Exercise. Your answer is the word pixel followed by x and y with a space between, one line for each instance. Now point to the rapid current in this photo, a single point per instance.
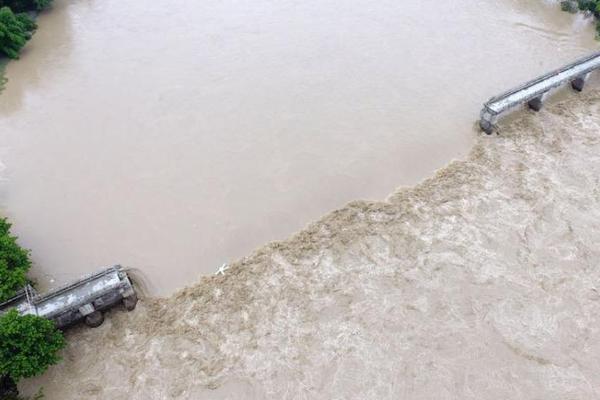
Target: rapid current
pixel 174 136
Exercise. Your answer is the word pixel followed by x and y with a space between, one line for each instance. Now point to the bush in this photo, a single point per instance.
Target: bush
pixel 569 6
pixel 14 263
pixel 588 6
pixel 25 5
pixel 28 345
pixel 15 31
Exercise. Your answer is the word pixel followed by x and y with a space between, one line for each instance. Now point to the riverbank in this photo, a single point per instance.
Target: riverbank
pixel 481 282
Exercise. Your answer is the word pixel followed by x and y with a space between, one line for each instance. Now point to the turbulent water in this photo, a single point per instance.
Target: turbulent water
pixel 173 136
pixel 479 283
pixel 172 141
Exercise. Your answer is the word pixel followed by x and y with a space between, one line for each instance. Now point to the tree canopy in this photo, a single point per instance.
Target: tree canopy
pixel 25 5
pixel 589 6
pixel 28 345
pixel 15 31
pixel 16 27
pixel 14 262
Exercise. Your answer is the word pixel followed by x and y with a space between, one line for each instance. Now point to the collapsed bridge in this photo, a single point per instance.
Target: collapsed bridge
pixel 85 299
pixel 534 91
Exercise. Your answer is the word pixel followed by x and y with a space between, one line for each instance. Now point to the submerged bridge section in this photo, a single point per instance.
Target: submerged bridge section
pixel 533 92
pixel 84 299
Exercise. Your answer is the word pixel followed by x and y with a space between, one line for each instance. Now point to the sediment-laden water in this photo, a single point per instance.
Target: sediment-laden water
pixel 481 282
pixel 174 136
pixel 171 141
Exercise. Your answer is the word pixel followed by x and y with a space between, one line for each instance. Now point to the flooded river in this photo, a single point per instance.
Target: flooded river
pixel 174 136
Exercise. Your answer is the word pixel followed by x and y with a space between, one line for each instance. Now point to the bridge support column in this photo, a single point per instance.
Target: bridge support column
pixel 487 120
pixel 486 126
pixel 94 319
pixel 537 103
pixel 578 83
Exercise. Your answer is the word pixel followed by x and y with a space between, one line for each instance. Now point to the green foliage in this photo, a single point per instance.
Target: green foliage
pixel 28 345
pixel 3 79
pixel 592 6
pixel 571 6
pixel 588 6
pixel 15 31
pixel 25 5
pixel 14 263
pixel 41 4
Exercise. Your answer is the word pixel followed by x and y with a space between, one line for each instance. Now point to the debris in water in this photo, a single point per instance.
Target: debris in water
pixel 222 269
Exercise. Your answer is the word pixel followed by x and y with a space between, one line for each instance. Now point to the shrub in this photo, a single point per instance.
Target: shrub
pixel 588 6
pixel 569 6
pixel 14 263
pixel 28 345
pixel 15 31
pixel 25 5
pixel 41 4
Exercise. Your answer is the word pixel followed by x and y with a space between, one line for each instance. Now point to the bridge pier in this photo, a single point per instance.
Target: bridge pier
pixel 486 126
pixel 578 83
pixel 487 120
pixel 536 103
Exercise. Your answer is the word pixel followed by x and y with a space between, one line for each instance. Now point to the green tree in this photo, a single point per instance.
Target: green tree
pixel 588 6
pixel 15 31
pixel 569 6
pixel 25 5
pixel 14 262
pixel 28 345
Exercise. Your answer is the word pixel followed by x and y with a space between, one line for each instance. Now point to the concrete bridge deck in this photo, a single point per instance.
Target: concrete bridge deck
pixel 83 299
pixel 534 91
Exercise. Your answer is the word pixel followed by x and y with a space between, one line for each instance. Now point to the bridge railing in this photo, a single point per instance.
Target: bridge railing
pixel 534 91
pixel 83 299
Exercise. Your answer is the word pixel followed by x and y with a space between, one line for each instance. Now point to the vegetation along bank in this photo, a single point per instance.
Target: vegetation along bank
pixel 28 344
pixel 588 6
pixel 17 24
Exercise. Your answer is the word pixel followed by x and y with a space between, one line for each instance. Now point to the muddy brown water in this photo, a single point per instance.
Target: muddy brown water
pixel 173 141
pixel 173 137
pixel 480 283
